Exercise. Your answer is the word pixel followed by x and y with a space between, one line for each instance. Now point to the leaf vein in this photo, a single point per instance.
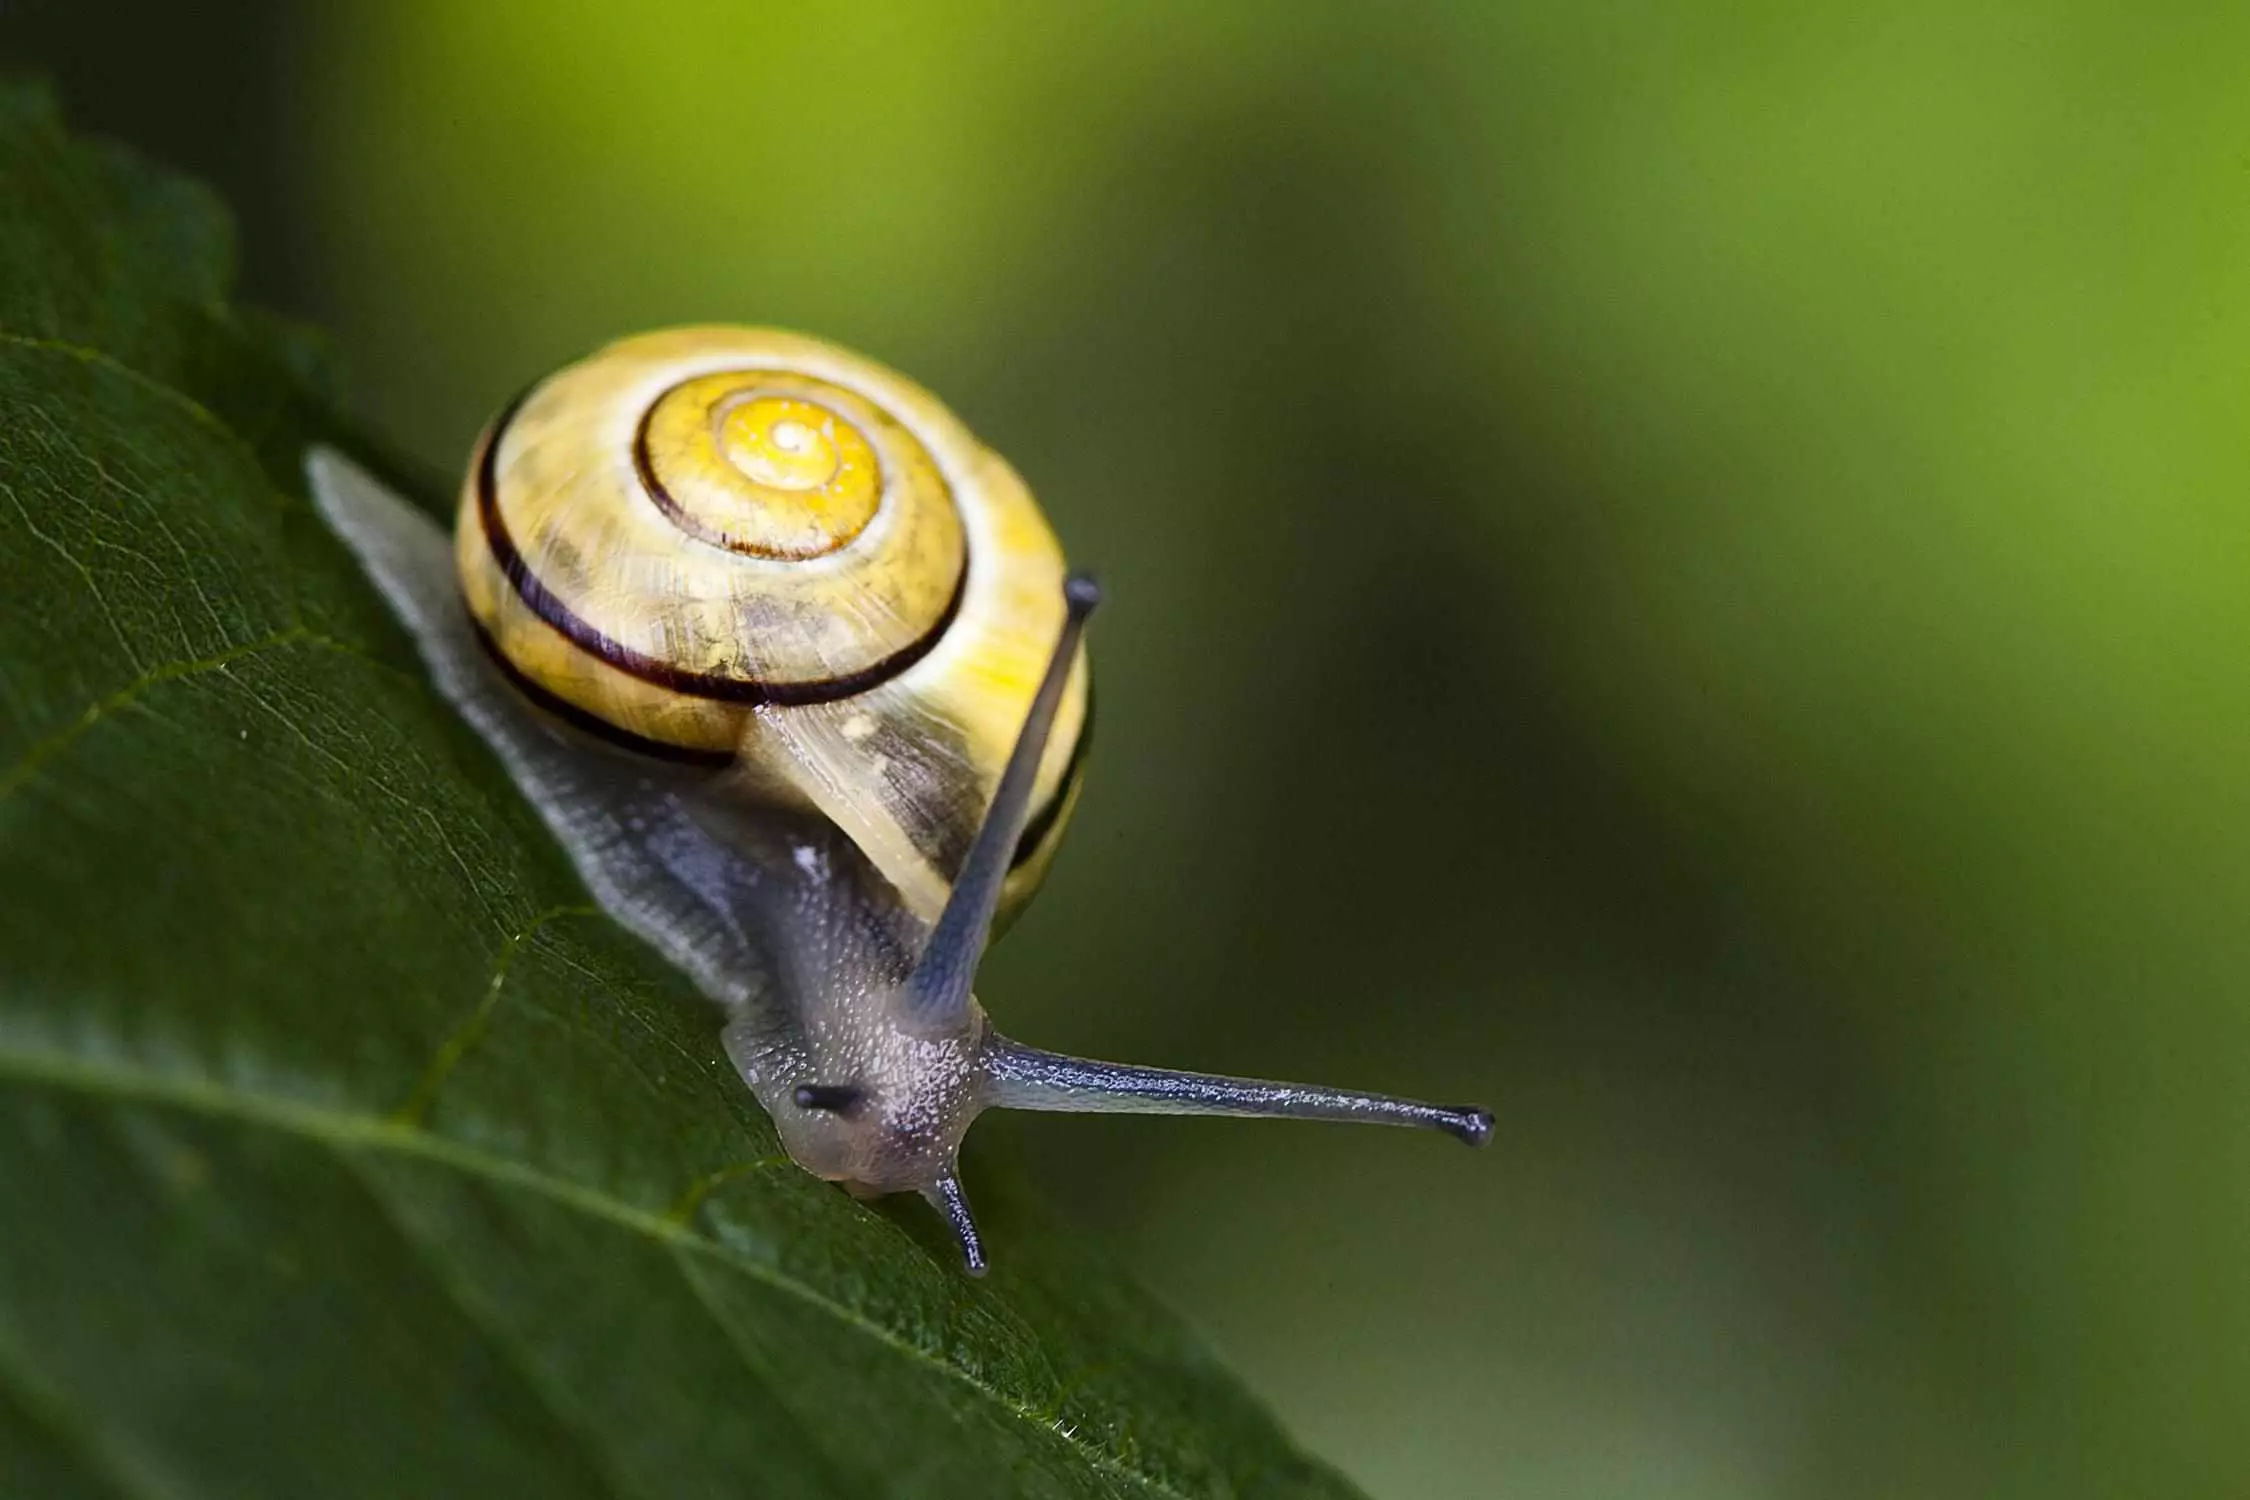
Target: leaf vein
pixel 195 409
pixel 47 1409
pixel 465 1036
pixel 78 565
pixel 756 1370
pixel 315 1122
pixel 357 775
pixel 684 1210
pixel 519 1361
pixel 42 751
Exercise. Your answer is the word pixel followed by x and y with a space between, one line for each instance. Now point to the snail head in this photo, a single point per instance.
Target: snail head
pixel 880 1089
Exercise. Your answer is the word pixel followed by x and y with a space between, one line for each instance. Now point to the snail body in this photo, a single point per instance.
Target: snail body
pixel 791 665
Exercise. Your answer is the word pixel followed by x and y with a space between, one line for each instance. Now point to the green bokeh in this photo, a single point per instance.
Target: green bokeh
pixel 1676 568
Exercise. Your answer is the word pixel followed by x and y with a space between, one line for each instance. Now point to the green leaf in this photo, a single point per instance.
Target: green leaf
pixel 344 1149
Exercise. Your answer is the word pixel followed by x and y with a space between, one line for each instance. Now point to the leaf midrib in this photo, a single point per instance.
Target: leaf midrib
pixel 334 1129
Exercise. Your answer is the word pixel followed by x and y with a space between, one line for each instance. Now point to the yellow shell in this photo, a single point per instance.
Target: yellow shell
pixel 752 547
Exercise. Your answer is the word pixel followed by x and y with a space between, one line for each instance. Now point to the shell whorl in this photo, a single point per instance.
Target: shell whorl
pixel 734 534
pixel 740 545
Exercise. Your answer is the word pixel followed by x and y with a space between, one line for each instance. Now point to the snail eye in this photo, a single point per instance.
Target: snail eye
pixel 835 1098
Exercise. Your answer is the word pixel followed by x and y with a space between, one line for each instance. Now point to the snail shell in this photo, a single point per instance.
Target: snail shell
pixel 750 547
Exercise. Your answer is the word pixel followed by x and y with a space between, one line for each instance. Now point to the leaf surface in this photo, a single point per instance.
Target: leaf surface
pixel 344 1148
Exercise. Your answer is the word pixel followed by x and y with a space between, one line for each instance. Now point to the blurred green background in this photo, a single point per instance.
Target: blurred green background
pixel 1677 569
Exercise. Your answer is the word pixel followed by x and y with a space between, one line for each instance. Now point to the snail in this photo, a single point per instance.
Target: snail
pixel 791 666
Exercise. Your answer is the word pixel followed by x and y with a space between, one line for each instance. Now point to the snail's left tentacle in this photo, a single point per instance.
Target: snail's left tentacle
pixel 1020 1077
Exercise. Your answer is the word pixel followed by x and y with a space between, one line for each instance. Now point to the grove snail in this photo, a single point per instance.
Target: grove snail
pixel 790 664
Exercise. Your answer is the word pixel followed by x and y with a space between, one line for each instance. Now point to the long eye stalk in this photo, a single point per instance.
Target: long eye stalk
pixel 938 989
pixel 1020 1077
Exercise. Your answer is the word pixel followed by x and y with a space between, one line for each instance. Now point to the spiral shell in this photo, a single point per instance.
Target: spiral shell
pixel 756 549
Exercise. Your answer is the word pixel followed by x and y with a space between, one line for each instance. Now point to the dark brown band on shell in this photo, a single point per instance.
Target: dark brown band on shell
pixel 645 468
pixel 594 724
pixel 1043 821
pixel 686 521
pixel 649 669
